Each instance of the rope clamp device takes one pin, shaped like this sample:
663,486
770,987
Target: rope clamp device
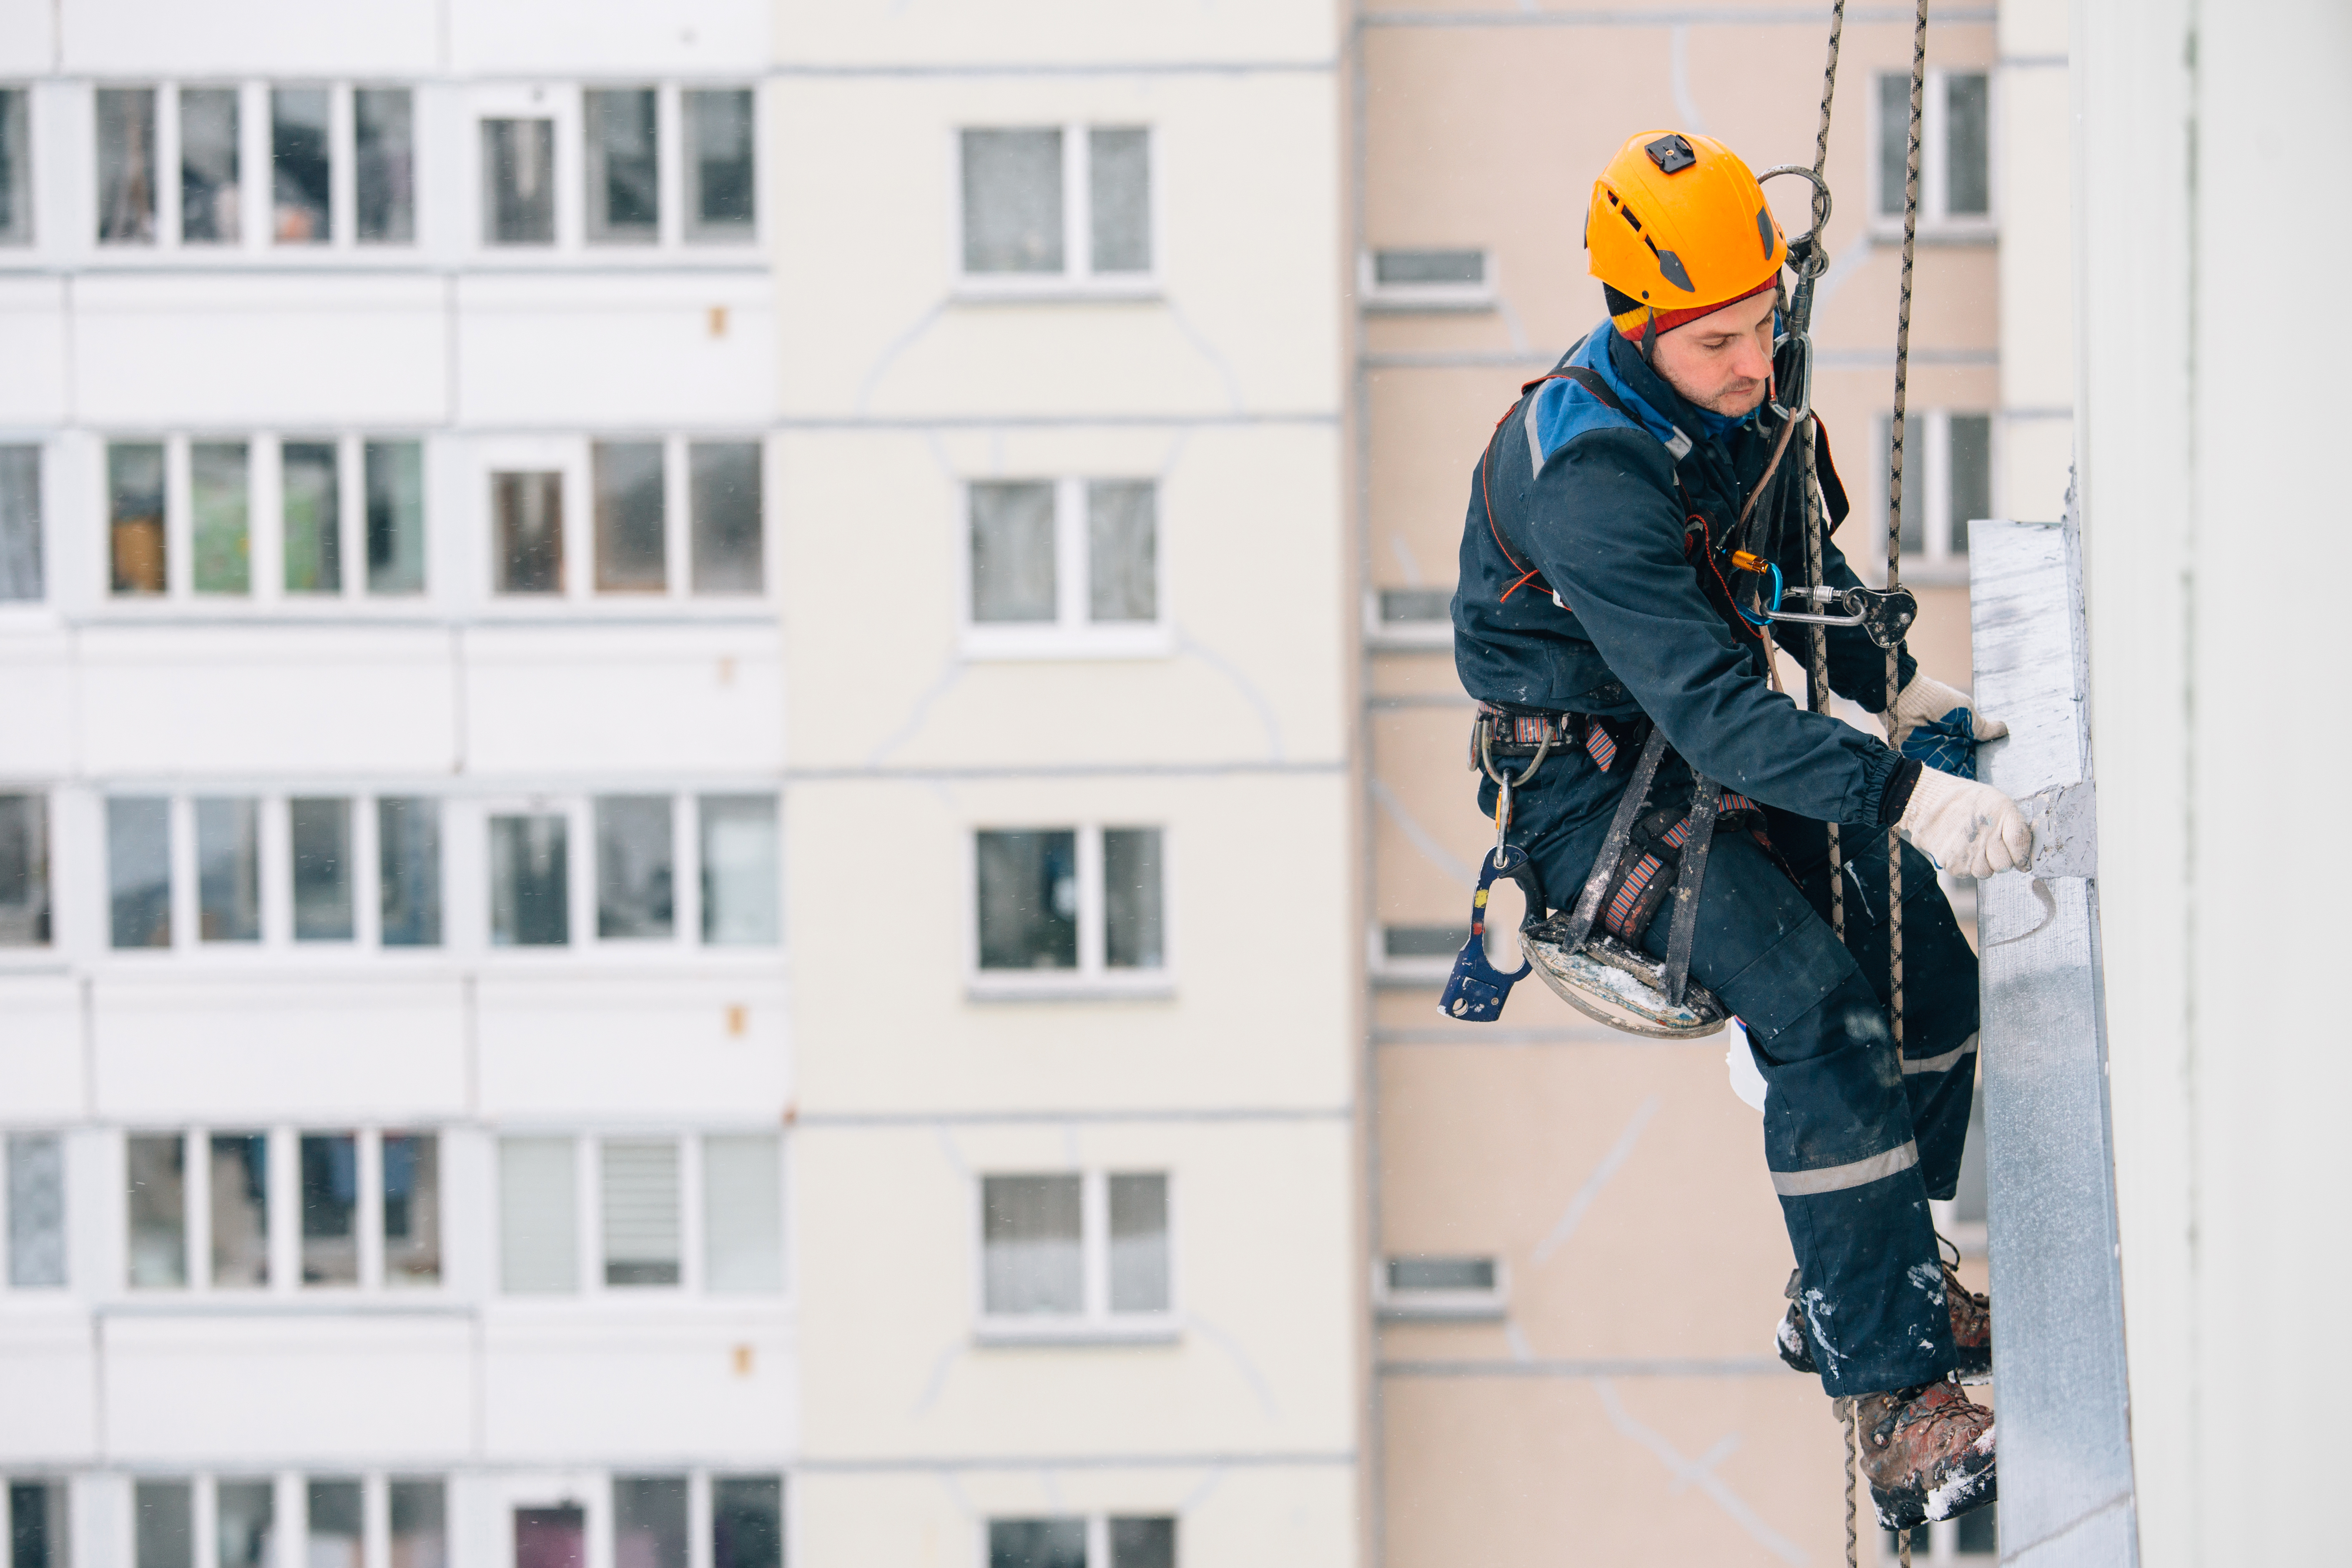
1884,615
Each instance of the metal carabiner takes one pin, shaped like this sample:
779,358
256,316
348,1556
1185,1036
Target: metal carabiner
1503,781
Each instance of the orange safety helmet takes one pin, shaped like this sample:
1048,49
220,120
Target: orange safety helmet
1679,227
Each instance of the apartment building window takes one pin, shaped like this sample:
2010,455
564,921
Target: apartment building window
730,845
1081,1540
24,870
643,1188
36,1198
22,576
635,867
384,174
420,1523
530,880
527,523
1428,279
408,870
1446,1287
1068,565
723,545
742,901
16,167
649,1528
302,186
622,133
228,869
747,1521
1954,150
1084,1251
411,1164
156,1184
333,1510
126,165
245,1522
138,871
239,1229
312,516
320,834
632,543
727,545
1082,902
341,1177
219,517
134,488
164,1524
39,1525
210,212
518,182
329,1175
395,486
722,194
1947,466
1058,205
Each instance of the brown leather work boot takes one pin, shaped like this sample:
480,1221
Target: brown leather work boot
1971,1329
1928,1453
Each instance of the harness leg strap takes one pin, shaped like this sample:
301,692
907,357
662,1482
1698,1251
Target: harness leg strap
1612,848
1705,801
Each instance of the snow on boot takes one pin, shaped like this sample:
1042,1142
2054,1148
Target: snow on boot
1928,1453
1971,1330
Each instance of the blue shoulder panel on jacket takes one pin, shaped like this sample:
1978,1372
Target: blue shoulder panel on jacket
1563,410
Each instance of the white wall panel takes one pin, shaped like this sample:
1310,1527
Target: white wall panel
37,704
40,1046
1056,32
48,1416
547,351
633,1382
32,347
606,37
639,702
190,37
603,1047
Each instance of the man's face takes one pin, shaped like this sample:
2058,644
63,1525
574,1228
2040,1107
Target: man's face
1721,362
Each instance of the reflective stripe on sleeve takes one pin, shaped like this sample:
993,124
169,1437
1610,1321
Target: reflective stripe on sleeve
1944,1063
1837,1178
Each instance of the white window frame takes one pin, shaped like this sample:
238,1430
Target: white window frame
1072,634
1417,298
1934,148
1928,481
1077,278
1093,979
1095,1322
1440,1306
1098,1528
284,1200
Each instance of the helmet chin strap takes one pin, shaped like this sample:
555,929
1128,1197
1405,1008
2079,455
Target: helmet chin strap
1650,338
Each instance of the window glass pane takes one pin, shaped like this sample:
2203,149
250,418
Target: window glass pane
219,518
1420,267
539,1235
1122,550
1970,451
383,131
1012,201
395,517
314,536
164,1524
1119,187
37,1211
240,1204
649,1522
209,213
134,496
21,575
1142,1544
228,869
298,162
721,190
321,836
1138,1244
531,881
1029,1236
1012,553
1407,606
1968,162
408,862
636,871
40,1526
155,1177
729,543
1028,898
24,870
743,1213
1422,941
126,165
15,170
624,174
1893,140
335,1528
741,899
1037,1543
518,182
138,871
528,510
1441,1273
551,1537
245,1522
640,1211
330,1203
420,1529
1132,907
627,476
412,1208
747,1521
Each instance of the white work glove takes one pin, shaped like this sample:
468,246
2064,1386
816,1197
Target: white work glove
1925,700
1967,828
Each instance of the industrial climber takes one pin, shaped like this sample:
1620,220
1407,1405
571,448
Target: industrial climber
1603,600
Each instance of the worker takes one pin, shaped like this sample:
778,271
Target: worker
1598,599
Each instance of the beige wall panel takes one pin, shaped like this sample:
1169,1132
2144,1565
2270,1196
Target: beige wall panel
1427,429
1229,327
1261,955
1513,1473
1427,833
1410,1013
1608,1178
1420,674
1263,1285
1056,32
1270,1516
1251,541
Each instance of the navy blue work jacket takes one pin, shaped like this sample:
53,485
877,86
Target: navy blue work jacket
1629,516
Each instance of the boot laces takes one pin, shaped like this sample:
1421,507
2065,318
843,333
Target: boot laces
1922,1408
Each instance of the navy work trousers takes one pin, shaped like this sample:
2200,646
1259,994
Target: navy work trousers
1858,1135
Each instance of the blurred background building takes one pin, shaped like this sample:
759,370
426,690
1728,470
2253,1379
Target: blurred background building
731,794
